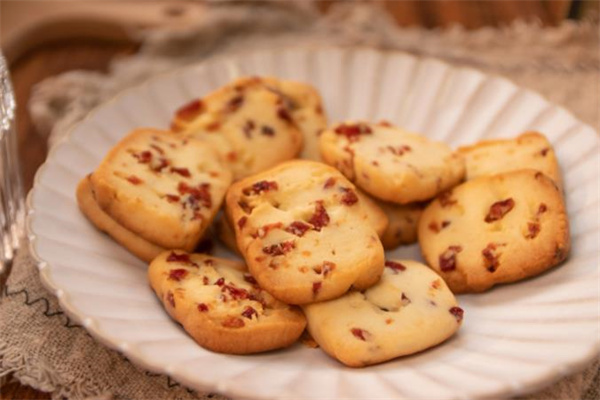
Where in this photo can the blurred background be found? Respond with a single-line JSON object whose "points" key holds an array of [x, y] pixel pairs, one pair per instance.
{"points": [[42, 39]]}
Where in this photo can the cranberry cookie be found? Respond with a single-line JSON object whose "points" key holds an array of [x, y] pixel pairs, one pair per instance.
{"points": [[409, 310], [403, 223], [248, 122], [389, 163], [162, 187], [220, 305], [529, 150], [495, 229], [304, 233]]}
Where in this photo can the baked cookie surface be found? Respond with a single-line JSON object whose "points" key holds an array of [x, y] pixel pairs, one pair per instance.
{"points": [[495, 229], [303, 232], [247, 121], [162, 187], [529, 150], [140, 247], [409, 310], [220, 305], [389, 163], [403, 223]]}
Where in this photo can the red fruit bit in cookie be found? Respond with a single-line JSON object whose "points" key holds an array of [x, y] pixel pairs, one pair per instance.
{"points": [[171, 198], [433, 226], [448, 258], [249, 312], [329, 183], [267, 131], [248, 128], [174, 257], [436, 284], [235, 103], [264, 231], [284, 114], [328, 267], [395, 266], [242, 222], [200, 194], [205, 280], [202, 307], [399, 150], [144, 157], [499, 209], [178, 274], [542, 209], [360, 333], [233, 322], [245, 207], [533, 230], [298, 228], [250, 279], [353, 132], [213, 126], [134, 179], [220, 282], [405, 300], [181, 171], [279, 249], [160, 165], [190, 110], [261, 186], [316, 287], [171, 299], [349, 197], [320, 218], [457, 312], [158, 149], [544, 151], [235, 293], [490, 257]]}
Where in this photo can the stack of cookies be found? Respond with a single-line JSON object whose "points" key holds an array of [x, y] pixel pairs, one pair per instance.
{"points": [[311, 209]]}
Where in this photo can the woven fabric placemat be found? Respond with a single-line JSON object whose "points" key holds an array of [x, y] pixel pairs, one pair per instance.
{"points": [[41, 347]]}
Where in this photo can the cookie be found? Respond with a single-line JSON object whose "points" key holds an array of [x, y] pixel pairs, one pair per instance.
{"points": [[403, 223], [162, 187], [409, 310], [495, 229], [389, 163], [139, 247], [249, 123], [307, 111], [529, 150], [220, 305], [303, 232], [376, 217]]}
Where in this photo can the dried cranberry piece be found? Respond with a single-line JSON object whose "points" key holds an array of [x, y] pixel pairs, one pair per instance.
{"points": [[395, 266], [458, 313], [279, 249], [220, 282], [433, 226], [242, 222], [171, 298], [213, 126], [181, 171], [445, 224], [316, 287], [245, 207], [352, 132], [284, 114], [250, 279], [158, 149], [349, 198], [178, 274], [134, 179], [448, 258], [233, 322], [261, 186], [445, 199], [267, 130], [491, 259], [144, 157], [298, 228], [436, 284], [235, 103], [249, 312], [183, 258], [405, 300], [190, 110], [542, 208], [499, 209], [544, 151], [320, 218], [399, 150], [200, 194], [533, 229], [329, 183], [171, 198], [264, 231], [235, 292], [360, 333], [202, 307], [209, 262], [328, 267], [248, 128]]}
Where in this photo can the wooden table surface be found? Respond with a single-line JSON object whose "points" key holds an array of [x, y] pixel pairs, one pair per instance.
{"points": [[91, 54]]}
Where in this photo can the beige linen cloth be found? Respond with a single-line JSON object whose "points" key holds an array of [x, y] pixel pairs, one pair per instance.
{"points": [[44, 349]]}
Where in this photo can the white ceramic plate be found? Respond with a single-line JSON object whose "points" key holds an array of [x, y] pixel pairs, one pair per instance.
{"points": [[515, 339]]}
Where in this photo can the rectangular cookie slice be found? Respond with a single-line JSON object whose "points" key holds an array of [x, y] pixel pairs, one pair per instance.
{"points": [[163, 187]]}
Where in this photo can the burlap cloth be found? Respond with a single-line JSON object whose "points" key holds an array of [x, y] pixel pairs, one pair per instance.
{"points": [[44, 349]]}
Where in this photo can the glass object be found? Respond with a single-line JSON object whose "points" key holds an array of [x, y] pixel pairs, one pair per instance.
{"points": [[12, 207]]}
